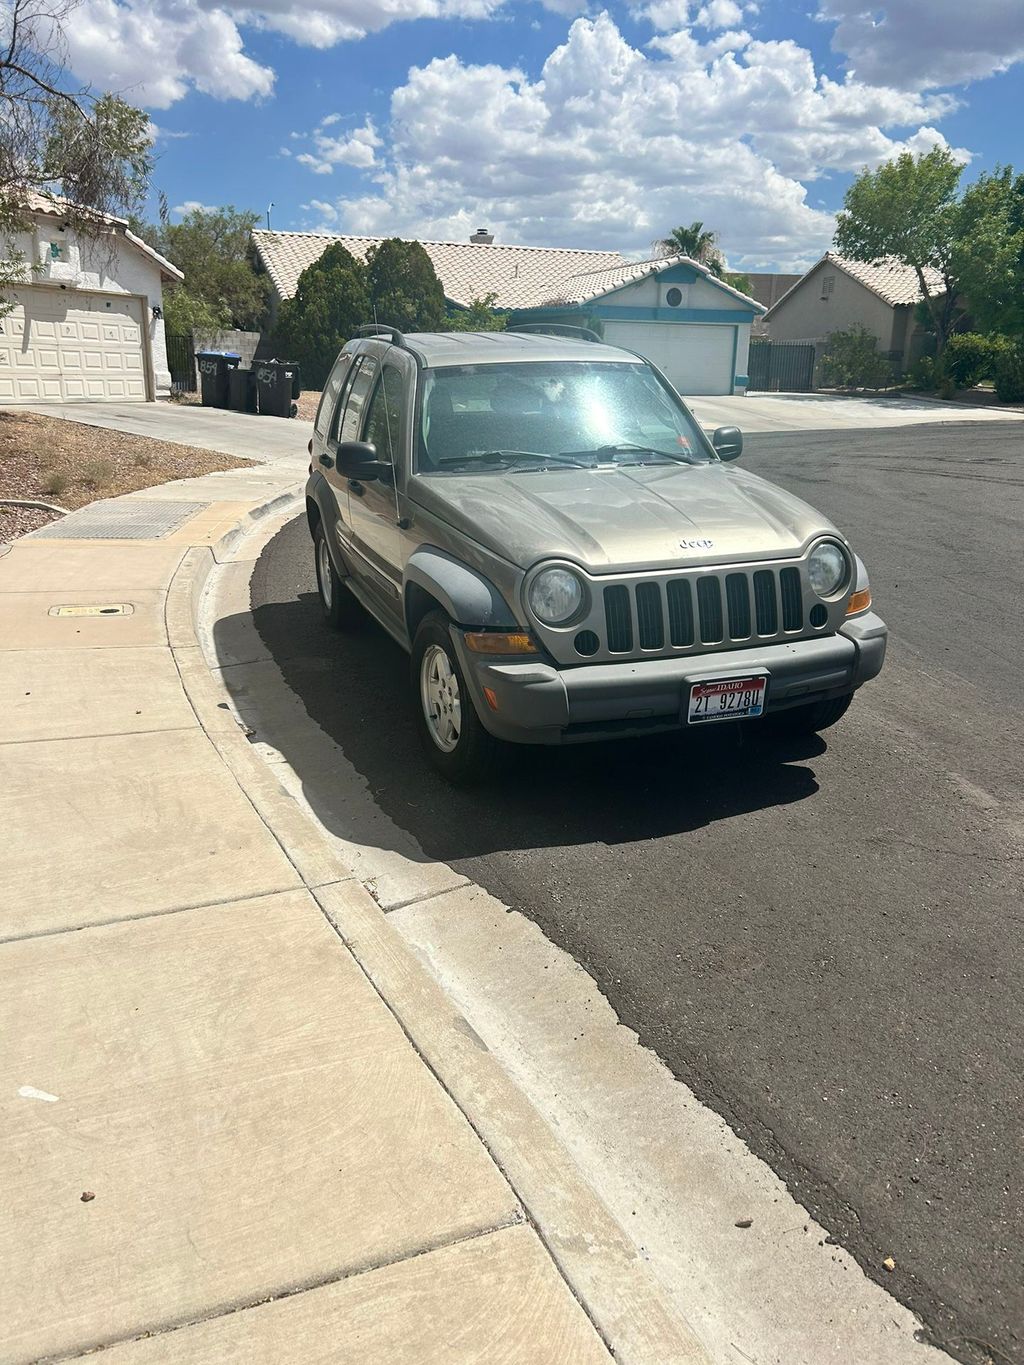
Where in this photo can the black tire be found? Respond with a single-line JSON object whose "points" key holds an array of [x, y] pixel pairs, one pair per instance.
{"points": [[340, 608], [474, 753], [808, 720]]}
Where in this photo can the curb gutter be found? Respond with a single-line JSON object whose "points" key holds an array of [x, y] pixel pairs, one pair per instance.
{"points": [[614, 1285]]}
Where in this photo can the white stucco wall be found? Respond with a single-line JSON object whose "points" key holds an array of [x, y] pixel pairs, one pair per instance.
{"points": [[105, 265]]}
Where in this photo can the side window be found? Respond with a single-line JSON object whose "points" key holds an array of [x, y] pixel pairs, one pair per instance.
{"points": [[355, 400], [329, 397], [384, 420]]}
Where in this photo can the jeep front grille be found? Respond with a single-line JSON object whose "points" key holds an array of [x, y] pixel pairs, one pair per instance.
{"points": [[696, 611]]}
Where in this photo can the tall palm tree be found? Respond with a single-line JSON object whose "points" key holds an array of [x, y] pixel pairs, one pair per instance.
{"points": [[697, 242]]}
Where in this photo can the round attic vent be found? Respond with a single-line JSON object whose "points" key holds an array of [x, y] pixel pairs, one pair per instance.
{"points": [[674, 297]]}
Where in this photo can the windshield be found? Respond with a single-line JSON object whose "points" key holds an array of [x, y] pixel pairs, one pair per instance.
{"points": [[531, 417]]}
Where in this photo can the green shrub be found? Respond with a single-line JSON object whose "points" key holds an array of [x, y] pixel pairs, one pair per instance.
{"points": [[1008, 370], [968, 358], [480, 316], [924, 374], [852, 361]]}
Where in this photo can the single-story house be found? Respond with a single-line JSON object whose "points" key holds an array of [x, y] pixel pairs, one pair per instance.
{"points": [[838, 293], [88, 324], [672, 310], [768, 289]]}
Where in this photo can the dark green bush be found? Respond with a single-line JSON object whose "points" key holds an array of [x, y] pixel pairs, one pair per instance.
{"points": [[969, 357], [924, 374], [1008, 370], [852, 361]]}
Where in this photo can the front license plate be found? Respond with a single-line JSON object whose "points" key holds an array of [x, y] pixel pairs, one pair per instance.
{"points": [[726, 699]]}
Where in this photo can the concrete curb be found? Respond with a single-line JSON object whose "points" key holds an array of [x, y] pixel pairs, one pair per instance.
{"points": [[602, 1267]]}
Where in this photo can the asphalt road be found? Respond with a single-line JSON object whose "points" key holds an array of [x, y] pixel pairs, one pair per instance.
{"points": [[826, 940]]}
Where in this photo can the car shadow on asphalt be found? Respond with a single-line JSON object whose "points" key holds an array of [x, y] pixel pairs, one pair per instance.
{"points": [[354, 687]]}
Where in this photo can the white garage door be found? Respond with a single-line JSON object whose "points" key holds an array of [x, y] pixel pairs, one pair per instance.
{"points": [[57, 344], [696, 357]]}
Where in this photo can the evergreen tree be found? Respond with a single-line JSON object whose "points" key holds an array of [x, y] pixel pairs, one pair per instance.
{"points": [[331, 301], [404, 288]]}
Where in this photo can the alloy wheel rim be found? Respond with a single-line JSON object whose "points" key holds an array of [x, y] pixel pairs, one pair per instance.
{"points": [[442, 702], [324, 565]]}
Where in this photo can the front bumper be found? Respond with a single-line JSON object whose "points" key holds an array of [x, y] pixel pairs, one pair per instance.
{"points": [[540, 704]]}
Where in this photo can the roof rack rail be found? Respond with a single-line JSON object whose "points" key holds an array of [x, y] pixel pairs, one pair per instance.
{"points": [[382, 329], [556, 329]]}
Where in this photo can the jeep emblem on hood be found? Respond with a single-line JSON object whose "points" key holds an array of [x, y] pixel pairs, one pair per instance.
{"points": [[696, 544]]}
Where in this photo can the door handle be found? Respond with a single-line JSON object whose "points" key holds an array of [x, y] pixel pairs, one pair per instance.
{"points": [[326, 461]]}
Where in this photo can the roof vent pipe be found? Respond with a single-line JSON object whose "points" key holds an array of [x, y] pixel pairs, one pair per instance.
{"points": [[482, 237]]}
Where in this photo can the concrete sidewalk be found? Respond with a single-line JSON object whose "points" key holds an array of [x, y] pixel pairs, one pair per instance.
{"points": [[273, 440], [241, 1121]]}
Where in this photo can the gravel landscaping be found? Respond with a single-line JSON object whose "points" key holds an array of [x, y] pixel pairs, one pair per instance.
{"points": [[69, 465]]}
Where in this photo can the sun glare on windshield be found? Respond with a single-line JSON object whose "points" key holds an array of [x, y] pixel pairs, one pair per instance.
{"points": [[541, 415]]}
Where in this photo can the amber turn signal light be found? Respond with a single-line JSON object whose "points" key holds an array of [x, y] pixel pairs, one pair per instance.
{"points": [[499, 642], [859, 601]]}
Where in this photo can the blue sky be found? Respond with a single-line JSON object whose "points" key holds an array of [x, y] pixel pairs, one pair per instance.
{"points": [[559, 123]]}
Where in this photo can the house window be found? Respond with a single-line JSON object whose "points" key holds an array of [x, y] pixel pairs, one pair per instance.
{"points": [[828, 283], [56, 251]]}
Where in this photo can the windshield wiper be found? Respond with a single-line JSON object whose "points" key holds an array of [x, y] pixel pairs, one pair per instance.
{"points": [[491, 457], [628, 448], [565, 459]]}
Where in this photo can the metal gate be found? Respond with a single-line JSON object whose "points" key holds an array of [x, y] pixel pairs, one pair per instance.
{"points": [[780, 366], [181, 362]]}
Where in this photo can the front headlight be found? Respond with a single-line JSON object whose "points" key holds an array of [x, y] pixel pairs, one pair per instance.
{"points": [[827, 569], [556, 595]]}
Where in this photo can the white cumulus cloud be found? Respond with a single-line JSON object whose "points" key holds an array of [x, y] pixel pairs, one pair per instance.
{"points": [[153, 51], [353, 149], [613, 145], [920, 44]]}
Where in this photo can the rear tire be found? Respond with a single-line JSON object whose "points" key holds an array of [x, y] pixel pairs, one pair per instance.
{"points": [[340, 608], [450, 730], [808, 720]]}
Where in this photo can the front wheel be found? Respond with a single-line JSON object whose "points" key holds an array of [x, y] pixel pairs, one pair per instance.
{"points": [[808, 720], [339, 606], [450, 730]]}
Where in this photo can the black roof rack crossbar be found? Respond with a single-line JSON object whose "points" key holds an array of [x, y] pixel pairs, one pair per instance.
{"points": [[382, 329], [556, 329]]}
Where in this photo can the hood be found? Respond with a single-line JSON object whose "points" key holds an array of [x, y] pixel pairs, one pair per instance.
{"points": [[624, 519]]}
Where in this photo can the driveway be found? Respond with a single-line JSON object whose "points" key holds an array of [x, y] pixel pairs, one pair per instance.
{"points": [[271, 440], [823, 412]]}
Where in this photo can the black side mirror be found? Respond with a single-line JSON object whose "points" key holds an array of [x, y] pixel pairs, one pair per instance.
{"points": [[728, 443], [358, 460]]}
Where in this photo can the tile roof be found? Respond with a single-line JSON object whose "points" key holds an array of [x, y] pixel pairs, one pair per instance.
{"points": [[520, 276], [890, 279], [54, 206]]}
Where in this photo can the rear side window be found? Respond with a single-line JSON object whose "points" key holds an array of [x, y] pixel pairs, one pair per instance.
{"points": [[384, 423], [333, 387], [355, 399]]}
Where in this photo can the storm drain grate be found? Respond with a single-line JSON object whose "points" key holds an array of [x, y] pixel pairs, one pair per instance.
{"points": [[116, 520]]}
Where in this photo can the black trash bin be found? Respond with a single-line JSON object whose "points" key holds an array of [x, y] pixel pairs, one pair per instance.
{"points": [[242, 390], [277, 383], [214, 368]]}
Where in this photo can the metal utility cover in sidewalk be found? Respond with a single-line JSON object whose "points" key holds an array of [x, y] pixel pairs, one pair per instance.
{"points": [[122, 519]]}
